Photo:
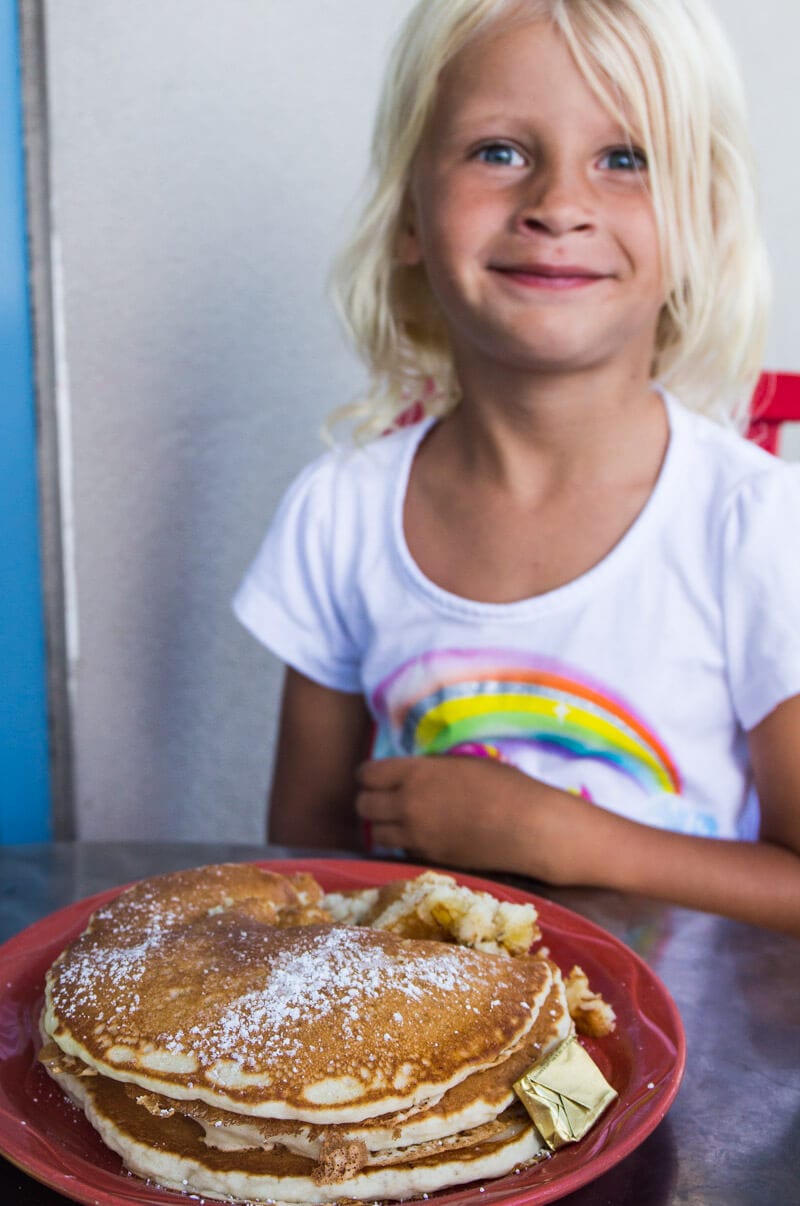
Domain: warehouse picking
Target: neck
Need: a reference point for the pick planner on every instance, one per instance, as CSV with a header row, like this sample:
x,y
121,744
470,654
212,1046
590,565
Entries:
x,y
583,423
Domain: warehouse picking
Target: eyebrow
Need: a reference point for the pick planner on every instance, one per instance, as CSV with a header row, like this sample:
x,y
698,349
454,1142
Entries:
x,y
478,124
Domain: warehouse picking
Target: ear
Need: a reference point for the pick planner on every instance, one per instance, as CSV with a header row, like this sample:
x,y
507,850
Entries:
x,y
409,252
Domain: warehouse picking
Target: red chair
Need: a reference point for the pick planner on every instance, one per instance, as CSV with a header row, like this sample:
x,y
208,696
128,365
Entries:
x,y
776,400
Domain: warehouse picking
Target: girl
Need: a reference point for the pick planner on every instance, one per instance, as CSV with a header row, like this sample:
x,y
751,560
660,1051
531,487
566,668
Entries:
x,y
572,583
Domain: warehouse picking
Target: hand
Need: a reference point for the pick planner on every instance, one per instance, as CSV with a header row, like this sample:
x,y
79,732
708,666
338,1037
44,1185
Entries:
x,y
461,811
481,814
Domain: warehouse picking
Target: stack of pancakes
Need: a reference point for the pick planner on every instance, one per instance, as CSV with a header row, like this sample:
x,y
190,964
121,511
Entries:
x,y
227,1040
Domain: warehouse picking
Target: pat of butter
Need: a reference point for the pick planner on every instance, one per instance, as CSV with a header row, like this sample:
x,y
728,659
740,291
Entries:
x,y
565,1093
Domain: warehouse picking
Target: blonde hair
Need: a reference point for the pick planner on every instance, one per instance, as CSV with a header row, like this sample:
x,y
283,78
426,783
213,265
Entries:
x,y
668,65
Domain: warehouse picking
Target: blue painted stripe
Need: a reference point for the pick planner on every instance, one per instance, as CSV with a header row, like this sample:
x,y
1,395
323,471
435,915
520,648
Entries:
x,y
24,763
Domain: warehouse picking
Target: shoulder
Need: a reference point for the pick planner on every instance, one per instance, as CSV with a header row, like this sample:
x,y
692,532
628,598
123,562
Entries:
x,y
741,509
342,505
356,472
732,473
722,449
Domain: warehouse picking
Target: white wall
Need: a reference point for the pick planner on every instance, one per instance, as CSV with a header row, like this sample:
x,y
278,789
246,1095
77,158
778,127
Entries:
x,y
765,36
202,158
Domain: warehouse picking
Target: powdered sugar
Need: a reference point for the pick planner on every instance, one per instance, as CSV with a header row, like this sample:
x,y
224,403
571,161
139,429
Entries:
x,y
338,972
231,1007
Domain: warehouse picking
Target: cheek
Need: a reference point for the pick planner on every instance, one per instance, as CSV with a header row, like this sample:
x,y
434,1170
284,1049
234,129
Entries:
x,y
639,232
456,219
643,223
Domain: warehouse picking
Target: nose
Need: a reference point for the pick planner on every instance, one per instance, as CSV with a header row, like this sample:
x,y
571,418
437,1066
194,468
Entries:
x,y
557,201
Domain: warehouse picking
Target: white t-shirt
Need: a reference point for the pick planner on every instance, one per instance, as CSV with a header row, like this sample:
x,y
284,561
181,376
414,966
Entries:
x,y
632,685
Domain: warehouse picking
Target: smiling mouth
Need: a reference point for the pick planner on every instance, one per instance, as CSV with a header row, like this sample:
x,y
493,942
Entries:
x,y
550,276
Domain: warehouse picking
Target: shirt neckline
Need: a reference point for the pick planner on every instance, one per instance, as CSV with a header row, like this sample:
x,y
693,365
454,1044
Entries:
x,y
569,593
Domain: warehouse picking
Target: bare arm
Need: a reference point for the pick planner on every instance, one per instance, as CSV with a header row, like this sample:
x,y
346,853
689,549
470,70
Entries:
x,y
470,812
323,735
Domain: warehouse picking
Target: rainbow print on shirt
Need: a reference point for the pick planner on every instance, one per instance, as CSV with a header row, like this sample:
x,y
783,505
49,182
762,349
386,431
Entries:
x,y
529,711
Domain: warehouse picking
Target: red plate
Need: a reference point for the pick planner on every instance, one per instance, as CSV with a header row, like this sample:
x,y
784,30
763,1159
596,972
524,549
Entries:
x,y
52,1141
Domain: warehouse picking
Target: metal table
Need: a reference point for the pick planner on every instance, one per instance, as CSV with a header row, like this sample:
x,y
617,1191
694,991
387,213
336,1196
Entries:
x,y
732,1137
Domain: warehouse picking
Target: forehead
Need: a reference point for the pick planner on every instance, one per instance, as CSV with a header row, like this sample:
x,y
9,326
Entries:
x,y
525,69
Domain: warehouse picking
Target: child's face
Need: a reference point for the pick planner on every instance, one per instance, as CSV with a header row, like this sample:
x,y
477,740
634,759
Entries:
x,y
531,214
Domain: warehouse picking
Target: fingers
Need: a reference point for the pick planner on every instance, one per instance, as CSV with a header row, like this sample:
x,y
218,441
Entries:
x,y
382,774
389,803
388,837
383,826
382,814
377,807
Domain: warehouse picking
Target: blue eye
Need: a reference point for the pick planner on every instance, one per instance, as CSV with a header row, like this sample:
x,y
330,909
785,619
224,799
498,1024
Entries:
x,y
624,159
500,154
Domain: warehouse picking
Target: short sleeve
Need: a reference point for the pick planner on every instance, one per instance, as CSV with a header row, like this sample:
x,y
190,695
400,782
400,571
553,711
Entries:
x,y
287,598
761,592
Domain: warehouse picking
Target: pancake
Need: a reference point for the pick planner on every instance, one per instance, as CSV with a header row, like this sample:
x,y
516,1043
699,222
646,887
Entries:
x,y
229,1039
476,1101
171,1152
164,901
317,1023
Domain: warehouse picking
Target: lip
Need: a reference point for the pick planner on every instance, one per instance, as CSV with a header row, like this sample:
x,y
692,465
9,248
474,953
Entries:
x,y
550,276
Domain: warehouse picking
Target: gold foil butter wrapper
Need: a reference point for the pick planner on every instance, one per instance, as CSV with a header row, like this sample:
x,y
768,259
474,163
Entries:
x,y
565,1094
